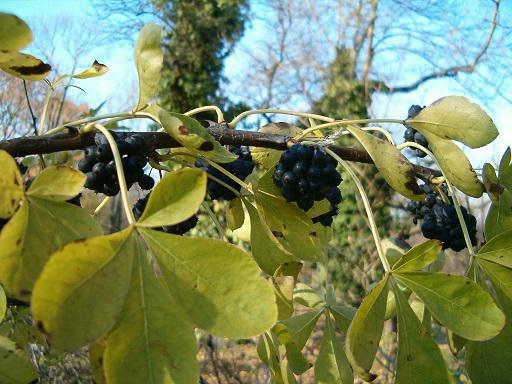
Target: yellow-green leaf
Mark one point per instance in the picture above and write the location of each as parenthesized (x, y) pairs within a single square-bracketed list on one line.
[(217, 285), (418, 257), (57, 183), (283, 289), (455, 165), (392, 165), (15, 365), (498, 249), (96, 352), (95, 70), (11, 186), (38, 229), (300, 327), (81, 290), (499, 216), (331, 365), (235, 215), (303, 294), (457, 302), (364, 333), (343, 315), (419, 359), (265, 248), (25, 66), (152, 342), (149, 61), (15, 34), (455, 117), (3, 303), (175, 198), (192, 135)]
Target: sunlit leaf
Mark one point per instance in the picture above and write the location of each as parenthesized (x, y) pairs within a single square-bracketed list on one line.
[(25, 66), (152, 342), (15, 34), (11, 186), (301, 326), (266, 249), (455, 117), (365, 331), (217, 284), (175, 198), (95, 70), (418, 257), (419, 359), (3, 303), (392, 165), (192, 135), (81, 290), (235, 214), (15, 365), (331, 365), (149, 61), (456, 302), (297, 363), (57, 183), (455, 165), (38, 229)]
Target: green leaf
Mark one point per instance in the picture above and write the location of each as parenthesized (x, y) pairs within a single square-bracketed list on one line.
[(303, 294), (456, 302), (38, 229), (81, 290), (11, 185), (499, 216), (343, 314), (455, 117), (24, 66), (491, 182), (235, 215), (292, 227), (331, 365), (15, 365), (57, 183), (96, 352), (217, 284), (501, 278), (175, 198), (14, 32), (297, 363), (498, 249), (192, 135), (392, 165), (152, 342), (505, 170), (3, 303), (266, 249), (95, 70), (301, 326), (418, 257), (283, 290), (455, 165), (365, 331), (149, 62), (419, 359)]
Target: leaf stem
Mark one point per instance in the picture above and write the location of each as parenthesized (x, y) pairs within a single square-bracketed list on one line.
[(100, 206), (220, 115), (120, 172), (117, 116), (222, 233), (243, 115), (451, 190), (366, 202)]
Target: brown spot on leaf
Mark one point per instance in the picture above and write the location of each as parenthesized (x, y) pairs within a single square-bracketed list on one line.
[(183, 130), (18, 241), (410, 357), (40, 326), (312, 234), (206, 146), (496, 189), (16, 180), (38, 69), (277, 234)]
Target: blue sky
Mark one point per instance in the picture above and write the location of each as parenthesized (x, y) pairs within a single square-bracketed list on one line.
[(119, 83)]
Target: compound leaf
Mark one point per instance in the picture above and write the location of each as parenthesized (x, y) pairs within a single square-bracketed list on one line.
[(365, 331), (419, 359), (149, 61), (457, 302), (81, 290), (175, 198), (152, 342), (217, 284), (38, 229), (392, 165), (11, 185), (57, 183), (455, 117)]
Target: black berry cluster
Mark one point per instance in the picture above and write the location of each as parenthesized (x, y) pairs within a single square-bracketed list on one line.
[(440, 221), (100, 168), (176, 229), (413, 135), (307, 174), (241, 168)]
